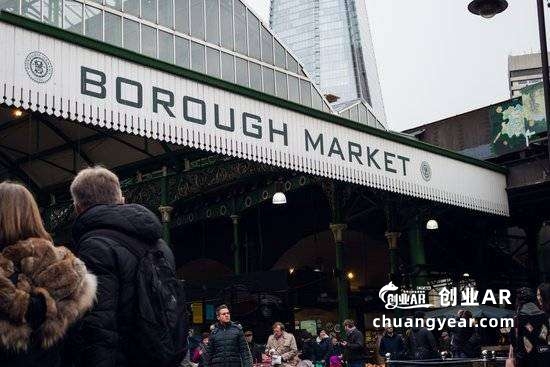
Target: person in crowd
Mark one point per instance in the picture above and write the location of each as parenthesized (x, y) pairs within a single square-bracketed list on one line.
[(44, 289), (465, 341), (529, 338), (281, 346), (335, 361), (227, 346), (445, 343), (255, 349), (193, 342), (421, 342), (323, 346), (543, 297), (335, 350), (106, 234), (354, 345), (199, 353), (308, 352), (391, 343)]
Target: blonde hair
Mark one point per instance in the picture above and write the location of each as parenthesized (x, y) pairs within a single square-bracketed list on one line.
[(19, 215), (95, 185)]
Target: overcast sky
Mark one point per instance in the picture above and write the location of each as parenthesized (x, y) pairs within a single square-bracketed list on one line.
[(436, 60)]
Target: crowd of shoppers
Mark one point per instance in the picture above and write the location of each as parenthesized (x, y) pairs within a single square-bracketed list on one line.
[(94, 303)]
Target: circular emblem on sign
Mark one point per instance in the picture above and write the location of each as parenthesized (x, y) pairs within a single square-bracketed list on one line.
[(426, 171), (39, 68)]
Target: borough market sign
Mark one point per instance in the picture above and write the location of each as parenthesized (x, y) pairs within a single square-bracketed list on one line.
[(69, 76)]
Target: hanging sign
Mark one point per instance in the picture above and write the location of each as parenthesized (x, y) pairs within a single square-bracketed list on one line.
[(196, 310), (65, 79)]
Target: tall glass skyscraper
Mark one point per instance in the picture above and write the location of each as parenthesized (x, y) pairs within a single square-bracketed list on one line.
[(332, 40)]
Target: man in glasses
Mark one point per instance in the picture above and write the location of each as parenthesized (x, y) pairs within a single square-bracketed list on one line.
[(227, 346)]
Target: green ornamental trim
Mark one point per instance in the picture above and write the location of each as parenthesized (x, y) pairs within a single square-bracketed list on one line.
[(137, 58)]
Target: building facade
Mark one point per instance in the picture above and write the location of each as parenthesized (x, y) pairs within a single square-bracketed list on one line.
[(220, 38), (523, 70), (333, 41), (207, 148)]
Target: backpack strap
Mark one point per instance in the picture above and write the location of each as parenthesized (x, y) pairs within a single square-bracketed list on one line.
[(121, 238)]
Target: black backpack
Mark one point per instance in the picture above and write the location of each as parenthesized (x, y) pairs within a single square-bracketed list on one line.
[(159, 337)]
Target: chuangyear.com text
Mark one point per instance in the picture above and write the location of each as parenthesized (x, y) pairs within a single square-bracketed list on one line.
[(431, 323)]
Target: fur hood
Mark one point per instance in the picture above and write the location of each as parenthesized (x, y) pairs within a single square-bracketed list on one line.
[(36, 267)]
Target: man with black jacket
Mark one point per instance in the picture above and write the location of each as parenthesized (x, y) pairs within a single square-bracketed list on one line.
[(391, 343), (354, 345), (255, 349), (227, 346), (105, 337), (421, 342), (465, 341)]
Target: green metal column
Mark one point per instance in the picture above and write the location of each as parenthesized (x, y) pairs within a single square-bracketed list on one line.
[(532, 230), (392, 238), (236, 244), (341, 283), (418, 255), (392, 235), (164, 209)]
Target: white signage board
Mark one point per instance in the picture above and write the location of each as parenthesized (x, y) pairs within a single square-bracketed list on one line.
[(56, 77)]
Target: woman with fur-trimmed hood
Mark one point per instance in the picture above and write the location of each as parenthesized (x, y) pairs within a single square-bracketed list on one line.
[(44, 289)]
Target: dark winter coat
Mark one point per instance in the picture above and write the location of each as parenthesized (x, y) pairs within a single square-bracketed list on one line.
[(530, 342), (465, 342), (354, 350), (227, 347), (422, 344), (392, 344), (334, 350), (309, 350), (44, 289), (105, 336), (256, 351), (323, 348)]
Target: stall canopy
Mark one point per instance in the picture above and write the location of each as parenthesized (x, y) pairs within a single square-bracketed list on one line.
[(63, 76)]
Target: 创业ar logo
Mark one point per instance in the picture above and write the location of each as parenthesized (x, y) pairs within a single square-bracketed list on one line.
[(38, 67)]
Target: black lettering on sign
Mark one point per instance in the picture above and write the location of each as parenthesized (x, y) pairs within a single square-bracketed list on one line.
[(138, 101), (273, 131), (404, 160), (354, 150), (257, 129), (166, 104), (388, 162), (86, 82), (335, 148), (370, 157), (217, 122), (314, 144), (197, 120)]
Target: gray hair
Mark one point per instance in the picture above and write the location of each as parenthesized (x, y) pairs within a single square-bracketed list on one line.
[(95, 185)]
